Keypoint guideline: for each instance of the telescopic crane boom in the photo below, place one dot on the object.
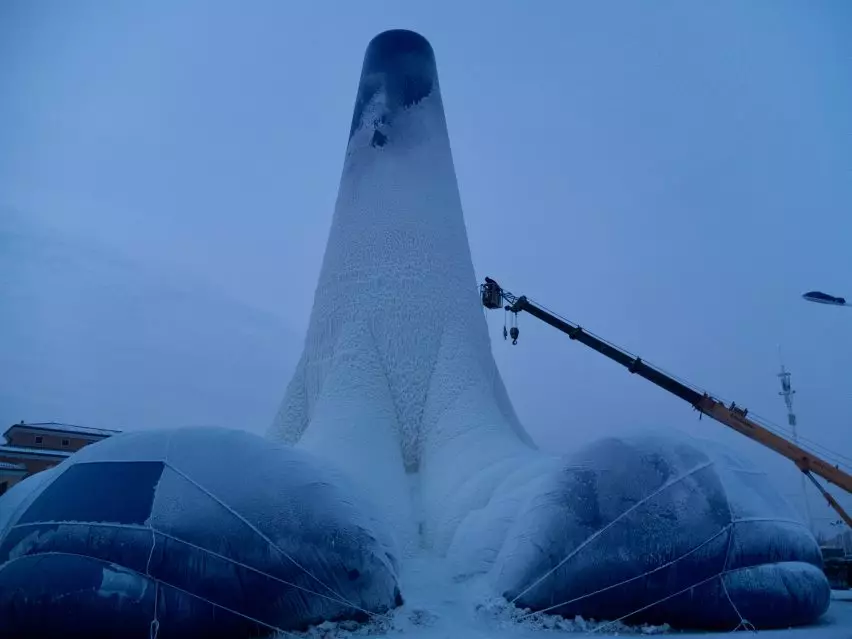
(733, 416)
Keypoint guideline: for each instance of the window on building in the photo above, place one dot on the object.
(66, 442)
(39, 439)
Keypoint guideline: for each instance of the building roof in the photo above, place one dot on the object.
(9, 451)
(67, 428)
(11, 466)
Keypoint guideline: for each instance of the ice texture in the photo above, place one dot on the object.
(657, 530)
(397, 374)
(205, 531)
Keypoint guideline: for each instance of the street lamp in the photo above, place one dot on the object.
(824, 298)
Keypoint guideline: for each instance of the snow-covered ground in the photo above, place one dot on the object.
(437, 607)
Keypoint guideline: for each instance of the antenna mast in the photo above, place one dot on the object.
(787, 393)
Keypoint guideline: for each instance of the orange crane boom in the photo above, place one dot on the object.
(734, 417)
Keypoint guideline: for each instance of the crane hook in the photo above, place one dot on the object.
(514, 333)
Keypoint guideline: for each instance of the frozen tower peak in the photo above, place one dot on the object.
(396, 335)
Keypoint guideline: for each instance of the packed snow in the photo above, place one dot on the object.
(437, 607)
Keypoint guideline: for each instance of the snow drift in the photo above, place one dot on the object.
(197, 532)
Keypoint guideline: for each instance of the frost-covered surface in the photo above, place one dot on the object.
(34, 451)
(147, 527)
(437, 607)
(660, 530)
(397, 372)
(71, 428)
(19, 496)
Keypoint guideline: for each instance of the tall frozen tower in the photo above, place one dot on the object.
(397, 362)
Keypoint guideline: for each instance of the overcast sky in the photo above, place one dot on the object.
(672, 175)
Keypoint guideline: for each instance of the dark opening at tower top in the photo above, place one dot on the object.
(402, 64)
(396, 42)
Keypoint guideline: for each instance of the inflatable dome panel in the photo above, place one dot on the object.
(659, 530)
(275, 543)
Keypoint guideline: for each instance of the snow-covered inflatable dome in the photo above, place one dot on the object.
(202, 532)
(659, 530)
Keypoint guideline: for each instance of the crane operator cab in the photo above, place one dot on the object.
(492, 294)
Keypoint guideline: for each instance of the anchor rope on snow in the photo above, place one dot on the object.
(337, 595)
(598, 533)
(744, 623)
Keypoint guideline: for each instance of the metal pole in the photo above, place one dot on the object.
(787, 393)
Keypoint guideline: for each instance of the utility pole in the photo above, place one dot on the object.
(787, 393)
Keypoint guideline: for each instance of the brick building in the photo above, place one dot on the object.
(31, 448)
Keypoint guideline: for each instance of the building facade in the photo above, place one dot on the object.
(32, 448)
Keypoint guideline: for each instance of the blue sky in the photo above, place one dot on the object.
(672, 175)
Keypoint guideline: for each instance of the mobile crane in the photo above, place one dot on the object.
(733, 416)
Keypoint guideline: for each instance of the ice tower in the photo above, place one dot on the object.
(397, 375)
(397, 387)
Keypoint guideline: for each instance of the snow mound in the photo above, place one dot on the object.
(506, 615)
(201, 531)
